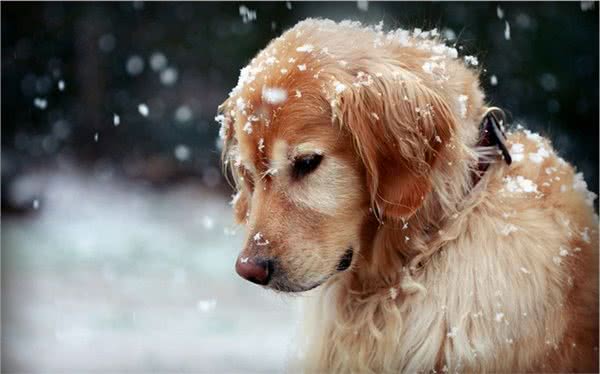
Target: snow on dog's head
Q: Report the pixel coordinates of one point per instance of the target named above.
(332, 129)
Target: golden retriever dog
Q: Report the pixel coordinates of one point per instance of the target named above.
(368, 164)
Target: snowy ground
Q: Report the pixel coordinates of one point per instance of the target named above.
(113, 277)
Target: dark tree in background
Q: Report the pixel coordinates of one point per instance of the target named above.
(69, 68)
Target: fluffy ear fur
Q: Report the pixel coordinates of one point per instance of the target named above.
(230, 159)
(399, 126)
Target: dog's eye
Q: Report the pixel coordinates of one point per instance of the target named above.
(305, 165)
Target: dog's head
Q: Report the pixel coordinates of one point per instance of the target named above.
(332, 128)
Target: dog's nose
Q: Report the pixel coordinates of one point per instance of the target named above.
(256, 270)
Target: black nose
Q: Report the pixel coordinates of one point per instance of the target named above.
(255, 269)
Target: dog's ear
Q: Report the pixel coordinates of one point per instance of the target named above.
(230, 159)
(399, 126)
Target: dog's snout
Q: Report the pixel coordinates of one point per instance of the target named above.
(255, 269)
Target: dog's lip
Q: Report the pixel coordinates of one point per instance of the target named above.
(344, 264)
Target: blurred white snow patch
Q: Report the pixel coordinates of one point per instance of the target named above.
(518, 184)
(499, 12)
(106, 42)
(96, 136)
(362, 5)
(506, 30)
(134, 65)
(471, 60)
(248, 15)
(339, 87)
(122, 266)
(449, 34)
(116, 119)
(508, 229)
(183, 114)
(40, 103)
(288, 4)
(539, 155)
(523, 20)
(462, 105)
(211, 176)
(206, 305)
(208, 222)
(587, 5)
(517, 152)
(273, 95)
(182, 152)
(169, 76)
(61, 85)
(580, 185)
(158, 61)
(74, 335)
(548, 82)
(306, 48)
(143, 109)
(494, 80)
(36, 204)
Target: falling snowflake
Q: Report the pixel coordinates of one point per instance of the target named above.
(169, 76)
(248, 15)
(40, 103)
(134, 65)
(158, 61)
(182, 152)
(362, 5)
(143, 109)
(208, 223)
(499, 12)
(206, 305)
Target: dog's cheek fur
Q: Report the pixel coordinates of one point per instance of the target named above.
(241, 207)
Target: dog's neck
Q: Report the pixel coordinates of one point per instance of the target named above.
(394, 250)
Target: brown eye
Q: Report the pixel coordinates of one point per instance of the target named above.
(305, 165)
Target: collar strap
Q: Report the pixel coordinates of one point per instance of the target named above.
(491, 135)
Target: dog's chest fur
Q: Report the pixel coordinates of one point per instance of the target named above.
(513, 288)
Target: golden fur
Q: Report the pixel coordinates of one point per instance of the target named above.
(500, 276)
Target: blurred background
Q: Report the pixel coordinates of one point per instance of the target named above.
(118, 242)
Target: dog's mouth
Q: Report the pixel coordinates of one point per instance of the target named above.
(278, 284)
